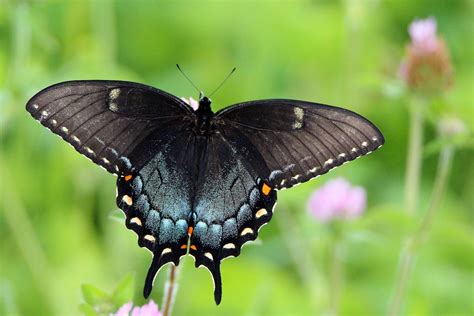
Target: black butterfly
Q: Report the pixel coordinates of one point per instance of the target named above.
(198, 181)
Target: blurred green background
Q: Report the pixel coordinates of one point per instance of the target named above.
(56, 225)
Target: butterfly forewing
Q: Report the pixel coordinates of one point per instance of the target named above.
(105, 120)
(300, 140)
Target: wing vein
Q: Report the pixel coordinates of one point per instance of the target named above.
(65, 96)
(55, 114)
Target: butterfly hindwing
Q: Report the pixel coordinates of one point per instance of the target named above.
(231, 203)
(157, 198)
(300, 140)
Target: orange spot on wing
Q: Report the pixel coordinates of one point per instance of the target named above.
(266, 189)
(190, 230)
(183, 246)
(128, 177)
(193, 247)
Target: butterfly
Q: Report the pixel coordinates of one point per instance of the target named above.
(193, 181)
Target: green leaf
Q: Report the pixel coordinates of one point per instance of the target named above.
(87, 310)
(93, 295)
(123, 293)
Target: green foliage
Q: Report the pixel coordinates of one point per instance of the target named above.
(99, 302)
(123, 293)
(56, 207)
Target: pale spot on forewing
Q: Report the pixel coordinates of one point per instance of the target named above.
(64, 129)
(113, 106)
(90, 151)
(114, 93)
(313, 170)
(299, 114)
(342, 155)
(354, 149)
(209, 255)
(297, 124)
(296, 177)
(364, 144)
(54, 122)
(44, 115)
(76, 139)
(35, 106)
(374, 139)
(329, 161)
(105, 160)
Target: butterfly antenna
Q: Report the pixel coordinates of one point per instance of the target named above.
(182, 72)
(231, 72)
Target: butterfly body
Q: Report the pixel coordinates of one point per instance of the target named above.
(204, 116)
(194, 181)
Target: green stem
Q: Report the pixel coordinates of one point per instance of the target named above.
(412, 178)
(409, 252)
(22, 231)
(407, 258)
(336, 271)
(444, 166)
(171, 287)
(300, 254)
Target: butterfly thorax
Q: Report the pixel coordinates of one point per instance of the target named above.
(204, 114)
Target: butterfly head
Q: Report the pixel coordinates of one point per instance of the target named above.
(204, 102)
(204, 115)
